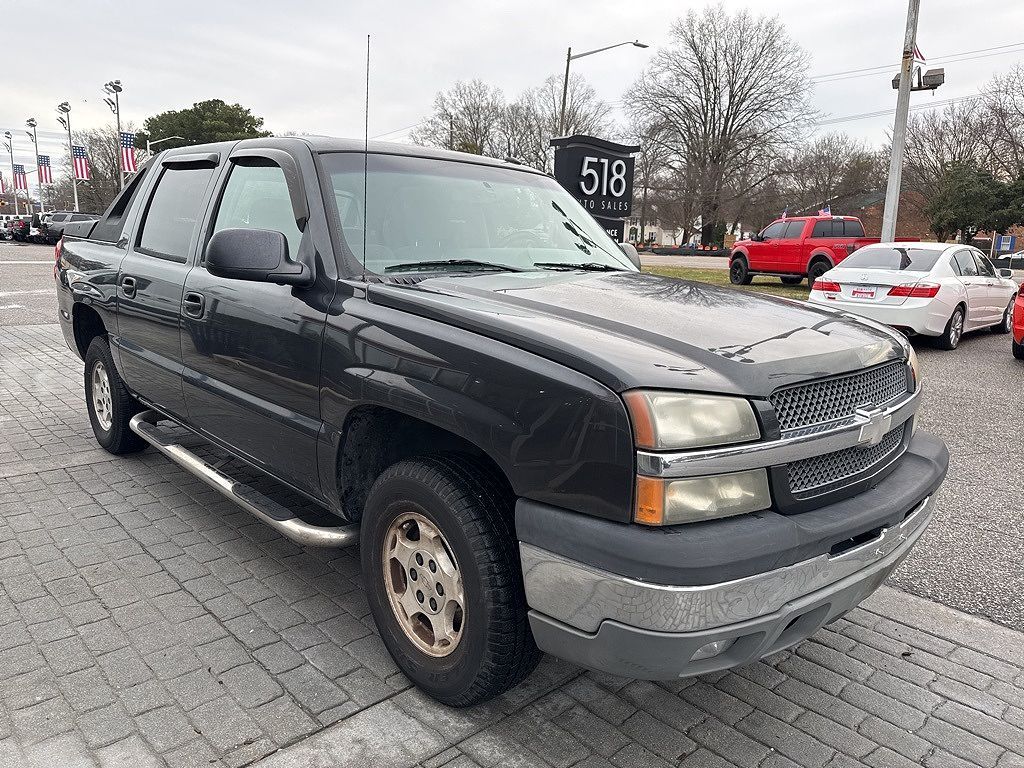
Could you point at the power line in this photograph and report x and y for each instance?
(948, 58)
(886, 112)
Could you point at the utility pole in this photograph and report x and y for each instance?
(9, 146)
(899, 131)
(65, 120)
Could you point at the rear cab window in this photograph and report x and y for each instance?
(822, 229)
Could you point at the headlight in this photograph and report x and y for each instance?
(675, 420)
(688, 500)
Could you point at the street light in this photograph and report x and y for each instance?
(158, 141)
(113, 88)
(65, 119)
(31, 123)
(9, 146)
(569, 56)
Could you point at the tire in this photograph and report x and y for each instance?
(791, 280)
(1006, 324)
(816, 270)
(111, 411)
(470, 506)
(954, 331)
(738, 272)
(1018, 350)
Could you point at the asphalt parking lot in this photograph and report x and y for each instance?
(146, 621)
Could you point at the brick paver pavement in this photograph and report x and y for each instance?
(144, 620)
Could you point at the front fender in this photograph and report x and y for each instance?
(559, 436)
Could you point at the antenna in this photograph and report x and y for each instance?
(366, 149)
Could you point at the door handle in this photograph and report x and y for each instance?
(194, 304)
(128, 286)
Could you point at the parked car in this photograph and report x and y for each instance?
(933, 289)
(20, 228)
(53, 228)
(797, 247)
(532, 449)
(1017, 341)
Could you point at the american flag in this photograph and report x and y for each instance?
(128, 164)
(20, 179)
(81, 162)
(43, 163)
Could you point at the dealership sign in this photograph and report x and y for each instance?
(599, 174)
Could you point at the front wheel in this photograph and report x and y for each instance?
(738, 272)
(110, 405)
(441, 566)
(953, 332)
(1006, 324)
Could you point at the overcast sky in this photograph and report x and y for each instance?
(300, 65)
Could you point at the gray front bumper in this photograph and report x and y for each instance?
(636, 629)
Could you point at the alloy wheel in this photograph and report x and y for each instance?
(102, 399)
(424, 584)
(956, 328)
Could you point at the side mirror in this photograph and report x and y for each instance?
(757, 238)
(259, 255)
(630, 250)
(1007, 273)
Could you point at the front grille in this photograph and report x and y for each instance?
(833, 468)
(828, 400)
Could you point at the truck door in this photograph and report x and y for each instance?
(764, 256)
(151, 276)
(790, 248)
(251, 350)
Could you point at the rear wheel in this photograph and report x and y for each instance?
(738, 272)
(441, 566)
(816, 270)
(1006, 324)
(110, 405)
(791, 280)
(954, 331)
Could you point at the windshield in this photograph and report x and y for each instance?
(430, 215)
(898, 259)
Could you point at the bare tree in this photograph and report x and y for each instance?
(465, 118)
(732, 90)
(1004, 117)
(104, 151)
(835, 166)
(473, 117)
(940, 139)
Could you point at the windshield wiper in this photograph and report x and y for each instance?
(441, 263)
(589, 266)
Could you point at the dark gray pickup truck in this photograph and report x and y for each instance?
(535, 446)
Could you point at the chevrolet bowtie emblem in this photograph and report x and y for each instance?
(876, 426)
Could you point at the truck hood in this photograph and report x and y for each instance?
(628, 329)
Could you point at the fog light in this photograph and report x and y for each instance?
(713, 649)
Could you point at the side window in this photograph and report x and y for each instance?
(853, 228)
(985, 268)
(965, 260)
(80, 217)
(793, 230)
(111, 226)
(256, 197)
(774, 231)
(822, 229)
(955, 266)
(174, 211)
(58, 217)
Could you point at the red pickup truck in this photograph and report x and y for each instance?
(797, 247)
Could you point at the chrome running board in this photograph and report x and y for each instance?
(275, 515)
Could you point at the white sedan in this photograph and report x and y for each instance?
(933, 289)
